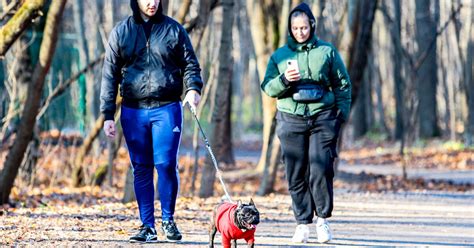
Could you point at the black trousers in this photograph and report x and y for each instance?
(309, 147)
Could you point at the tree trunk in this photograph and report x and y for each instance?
(113, 147)
(108, 16)
(240, 74)
(359, 117)
(380, 102)
(18, 23)
(426, 76)
(264, 23)
(105, 171)
(360, 43)
(359, 46)
(469, 82)
(222, 135)
(129, 190)
(183, 10)
(398, 82)
(99, 175)
(93, 76)
(78, 178)
(19, 71)
(273, 154)
(25, 132)
(201, 23)
(81, 45)
(22, 70)
(28, 165)
(270, 172)
(222, 131)
(319, 6)
(3, 95)
(196, 40)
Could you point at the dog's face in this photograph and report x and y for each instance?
(247, 215)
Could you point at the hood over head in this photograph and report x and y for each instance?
(136, 12)
(303, 7)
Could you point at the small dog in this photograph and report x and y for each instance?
(234, 221)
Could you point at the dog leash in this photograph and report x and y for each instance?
(213, 158)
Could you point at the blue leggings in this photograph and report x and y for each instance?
(153, 137)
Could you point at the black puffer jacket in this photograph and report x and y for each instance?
(148, 70)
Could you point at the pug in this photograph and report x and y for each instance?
(234, 221)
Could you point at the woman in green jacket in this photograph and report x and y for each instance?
(313, 91)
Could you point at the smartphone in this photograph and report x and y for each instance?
(292, 63)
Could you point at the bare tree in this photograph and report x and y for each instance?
(273, 156)
(81, 44)
(264, 26)
(28, 117)
(426, 76)
(221, 138)
(319, 6)
(361, 16)
(394, 23)
(359, 45)
(199, 26)
(19, 73)
(183, 10)
(129, 193)
(468, 79)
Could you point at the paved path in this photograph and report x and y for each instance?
(393, 220)
(457, 176)
(359, 219)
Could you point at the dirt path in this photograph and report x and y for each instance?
(359, 219)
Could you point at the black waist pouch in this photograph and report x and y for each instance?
(308, 93)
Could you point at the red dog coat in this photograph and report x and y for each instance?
(225, 225)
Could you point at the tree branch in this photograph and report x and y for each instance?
(198, 22)
(60, 88)
(19, 22)
(416, 64)
(9, 8)
(425, 53)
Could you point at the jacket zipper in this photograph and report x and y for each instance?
(307, 64)
(306, 108)
(148, 58)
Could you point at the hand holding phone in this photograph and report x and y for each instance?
(292, 72)
(292, 64)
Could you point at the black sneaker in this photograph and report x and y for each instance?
(145, 235)
(171, 231)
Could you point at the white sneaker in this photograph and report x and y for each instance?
(323, 231)
(301, 234)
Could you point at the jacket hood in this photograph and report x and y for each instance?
(136, 12)
(303, 7)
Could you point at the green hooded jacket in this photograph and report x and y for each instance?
(319, 63)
